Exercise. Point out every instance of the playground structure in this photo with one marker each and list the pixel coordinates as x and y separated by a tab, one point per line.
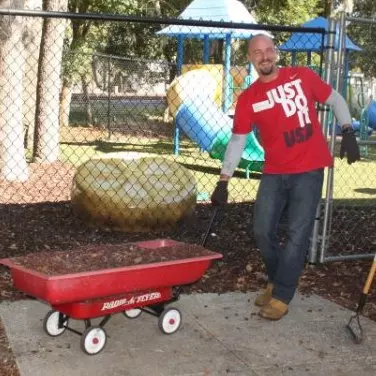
193	100
313	42
371	113
202	119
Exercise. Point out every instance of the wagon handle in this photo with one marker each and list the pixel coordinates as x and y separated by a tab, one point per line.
210	226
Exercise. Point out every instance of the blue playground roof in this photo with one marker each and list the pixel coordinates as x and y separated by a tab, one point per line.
305	42
213	10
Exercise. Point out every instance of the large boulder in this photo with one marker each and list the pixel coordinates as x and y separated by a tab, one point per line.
140	194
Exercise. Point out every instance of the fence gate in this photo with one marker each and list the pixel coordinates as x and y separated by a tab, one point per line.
348	229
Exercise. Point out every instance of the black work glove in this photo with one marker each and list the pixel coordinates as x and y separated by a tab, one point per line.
220	194
349	146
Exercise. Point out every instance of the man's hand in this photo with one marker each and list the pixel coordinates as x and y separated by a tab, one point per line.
220	194
349	146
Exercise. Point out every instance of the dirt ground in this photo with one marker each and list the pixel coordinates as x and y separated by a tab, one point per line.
33	222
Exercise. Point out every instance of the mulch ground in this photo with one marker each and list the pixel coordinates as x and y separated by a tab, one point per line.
34	220
94	258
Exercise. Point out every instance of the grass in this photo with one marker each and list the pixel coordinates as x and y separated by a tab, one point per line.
356	183
353	184
117	111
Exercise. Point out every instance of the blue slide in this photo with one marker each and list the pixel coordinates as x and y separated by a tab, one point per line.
210	128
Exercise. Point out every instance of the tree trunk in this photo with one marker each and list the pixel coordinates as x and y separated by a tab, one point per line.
46	135
87	102
31	39
13	164
97	66
65	103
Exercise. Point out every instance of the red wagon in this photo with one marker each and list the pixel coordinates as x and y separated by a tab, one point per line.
131	289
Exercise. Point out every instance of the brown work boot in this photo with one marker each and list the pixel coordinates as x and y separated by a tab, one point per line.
265	296
274	310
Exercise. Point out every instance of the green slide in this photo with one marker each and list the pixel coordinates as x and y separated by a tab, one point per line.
253	154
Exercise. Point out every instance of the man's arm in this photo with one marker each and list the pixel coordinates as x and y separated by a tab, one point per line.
340	109
233	155
231	160
349	145
234	150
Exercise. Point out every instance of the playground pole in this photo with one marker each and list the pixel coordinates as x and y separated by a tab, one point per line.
206	49
180	54
293	55
179	65
346	74
227	67
309	58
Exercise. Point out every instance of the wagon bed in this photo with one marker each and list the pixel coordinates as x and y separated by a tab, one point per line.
141	276
163	269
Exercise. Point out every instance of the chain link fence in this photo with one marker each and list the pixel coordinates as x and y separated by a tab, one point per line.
122	95
134	143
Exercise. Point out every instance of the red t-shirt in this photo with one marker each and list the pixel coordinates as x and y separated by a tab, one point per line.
284	112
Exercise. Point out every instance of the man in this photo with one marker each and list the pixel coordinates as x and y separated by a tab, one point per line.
281	102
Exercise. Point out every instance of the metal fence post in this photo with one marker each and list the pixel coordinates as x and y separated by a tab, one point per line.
323	115
329	188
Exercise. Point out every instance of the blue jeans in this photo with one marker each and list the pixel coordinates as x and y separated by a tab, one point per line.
299	196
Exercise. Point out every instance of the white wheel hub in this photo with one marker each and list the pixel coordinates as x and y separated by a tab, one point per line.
51	324
170	321
93	340
132	313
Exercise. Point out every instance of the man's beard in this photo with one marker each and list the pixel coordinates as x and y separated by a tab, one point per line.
266	71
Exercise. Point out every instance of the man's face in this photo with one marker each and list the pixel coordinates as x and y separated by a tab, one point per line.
263	55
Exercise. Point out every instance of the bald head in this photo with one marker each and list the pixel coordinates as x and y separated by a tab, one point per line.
262	53
259	37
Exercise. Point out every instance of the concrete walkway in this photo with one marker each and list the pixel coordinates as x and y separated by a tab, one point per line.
220	335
